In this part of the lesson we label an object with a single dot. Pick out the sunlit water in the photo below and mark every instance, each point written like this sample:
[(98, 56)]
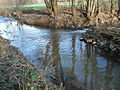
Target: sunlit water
[(77, 65)]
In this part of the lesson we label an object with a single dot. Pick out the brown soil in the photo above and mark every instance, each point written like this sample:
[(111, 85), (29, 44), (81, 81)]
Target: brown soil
[(43, 19)]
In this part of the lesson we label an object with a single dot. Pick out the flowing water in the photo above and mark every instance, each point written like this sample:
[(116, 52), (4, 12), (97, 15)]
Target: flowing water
[(77, 65)]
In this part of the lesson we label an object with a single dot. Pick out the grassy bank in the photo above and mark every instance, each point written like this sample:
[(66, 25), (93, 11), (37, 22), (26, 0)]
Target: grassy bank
[(60, 4), (17, 73)]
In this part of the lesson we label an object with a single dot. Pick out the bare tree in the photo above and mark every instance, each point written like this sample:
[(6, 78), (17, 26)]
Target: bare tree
[(15, 6), (73, 8), (91, 7), (51, 7), (15, 2), (118, 6), (111, 7)]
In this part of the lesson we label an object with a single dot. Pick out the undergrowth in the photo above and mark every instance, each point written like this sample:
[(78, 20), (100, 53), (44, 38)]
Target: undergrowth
[(18, 74)]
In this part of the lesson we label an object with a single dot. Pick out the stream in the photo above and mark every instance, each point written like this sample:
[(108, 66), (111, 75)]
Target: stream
[(75, 64)]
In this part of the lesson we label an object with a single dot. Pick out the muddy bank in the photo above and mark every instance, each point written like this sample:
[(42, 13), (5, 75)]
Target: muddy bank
[(42, 18), (106, 38), (64, 19), (17, 73)]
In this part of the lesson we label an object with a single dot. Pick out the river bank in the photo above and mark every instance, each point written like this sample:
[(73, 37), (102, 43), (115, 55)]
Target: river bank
[(64, 19), (106, 38), (17, 73), (106, 26)]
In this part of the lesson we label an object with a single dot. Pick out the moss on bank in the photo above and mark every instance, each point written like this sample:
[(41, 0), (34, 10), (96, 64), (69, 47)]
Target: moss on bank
[(17, 73)]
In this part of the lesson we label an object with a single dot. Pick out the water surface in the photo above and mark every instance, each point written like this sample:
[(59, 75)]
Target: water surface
[(77, 65)]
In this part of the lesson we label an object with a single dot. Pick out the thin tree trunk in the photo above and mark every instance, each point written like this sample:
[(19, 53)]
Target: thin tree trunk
[(73, 8), (111, 8), (51, 7), (48, 6), (88, 8), (118, 6), (91, 7)]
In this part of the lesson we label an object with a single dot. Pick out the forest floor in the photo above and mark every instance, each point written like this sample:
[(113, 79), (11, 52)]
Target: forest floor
[(17, 73)]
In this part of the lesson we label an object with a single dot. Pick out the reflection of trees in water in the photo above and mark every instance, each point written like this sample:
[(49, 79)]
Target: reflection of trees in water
[(108, 76), (86, 66), (56, 62), (71, 81), (47, 56), (74, 82), (96, 77), (17, 26)]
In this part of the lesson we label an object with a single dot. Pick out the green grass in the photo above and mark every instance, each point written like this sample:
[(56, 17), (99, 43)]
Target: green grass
[(60, 4), (35, 6), (43, 5)]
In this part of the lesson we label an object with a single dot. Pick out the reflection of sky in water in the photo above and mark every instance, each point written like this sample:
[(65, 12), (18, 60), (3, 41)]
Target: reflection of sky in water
[(79, 63), (5, 19)]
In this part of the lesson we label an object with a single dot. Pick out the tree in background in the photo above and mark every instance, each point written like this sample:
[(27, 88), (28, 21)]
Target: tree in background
[(51, 7), (16, 6), (118, 6), (73, 8), (91, 7), (111, 6), (15, 3)]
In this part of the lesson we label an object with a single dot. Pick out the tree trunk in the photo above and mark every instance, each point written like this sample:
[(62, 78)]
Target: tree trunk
[(73, 11), (48, 6), (118, 6), (73, 8), (111, 7), (94, 6), (51, 7), (87, 7), (54, 8), (91, 7)]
